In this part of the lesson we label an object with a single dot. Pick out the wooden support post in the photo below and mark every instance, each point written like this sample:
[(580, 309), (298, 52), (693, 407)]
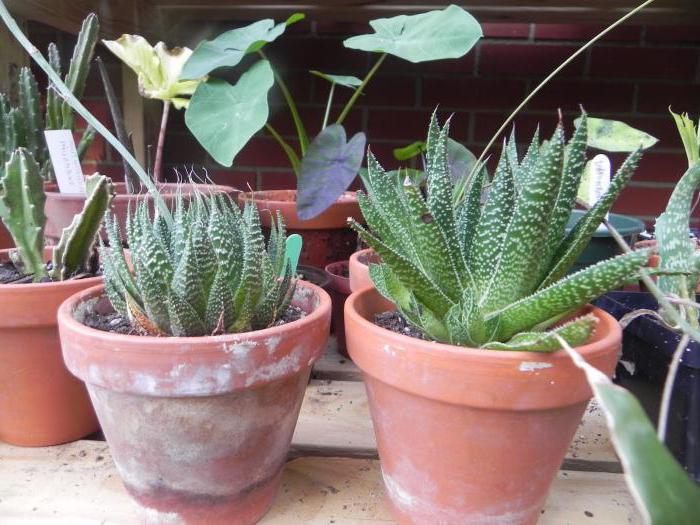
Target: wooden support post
[(12, 58), (133, 113)]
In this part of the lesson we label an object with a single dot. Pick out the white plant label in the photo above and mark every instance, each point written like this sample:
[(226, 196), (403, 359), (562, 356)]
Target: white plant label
[(65, 161), (596, 180)]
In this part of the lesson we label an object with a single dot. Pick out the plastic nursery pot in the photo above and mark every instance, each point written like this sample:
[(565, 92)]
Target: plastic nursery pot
[(359, 268), (469, 435), (41, 403), (199, 427), (327, 237), (339, 290), (61, 207), (602, 246), (647, 350)]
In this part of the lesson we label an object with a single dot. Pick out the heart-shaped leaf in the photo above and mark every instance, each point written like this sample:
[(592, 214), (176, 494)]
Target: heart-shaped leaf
[(223, 117), (328, 168), (615, 136), (342, 80), (435, 35), (229, 48)]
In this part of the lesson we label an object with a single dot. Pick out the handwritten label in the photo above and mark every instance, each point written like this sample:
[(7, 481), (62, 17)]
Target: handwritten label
[(64, 158), (596, 180)]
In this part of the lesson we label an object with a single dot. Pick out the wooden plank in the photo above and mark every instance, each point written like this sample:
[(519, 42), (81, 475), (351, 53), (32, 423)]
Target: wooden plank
[(77, 484), (12, 58), (334, 366), (335, 421)]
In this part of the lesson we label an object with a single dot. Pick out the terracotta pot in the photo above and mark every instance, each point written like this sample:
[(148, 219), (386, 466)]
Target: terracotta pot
[(339, 290), (327, 237), (41, 403), (61, 207), (469, 436), (359, 269), (199, 427)]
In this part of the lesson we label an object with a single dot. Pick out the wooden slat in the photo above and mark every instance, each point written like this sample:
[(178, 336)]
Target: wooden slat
[(335, 421), (77, 484), (334, 366)]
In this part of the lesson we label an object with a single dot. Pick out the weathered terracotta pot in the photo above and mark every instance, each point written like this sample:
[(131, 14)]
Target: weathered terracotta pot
[(41, 403), (469, 436), (359, 269), (327, 237), (339, 290), (198, 427), (61, 207)]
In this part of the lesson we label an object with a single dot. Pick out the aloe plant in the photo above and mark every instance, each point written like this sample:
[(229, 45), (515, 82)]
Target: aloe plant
[(208, 273), (23, 125), (492, 276), (22, 211)]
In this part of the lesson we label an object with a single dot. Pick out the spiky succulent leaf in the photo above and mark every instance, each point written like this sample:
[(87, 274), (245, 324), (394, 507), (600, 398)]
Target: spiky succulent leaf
[(575, 332), (80, 64)]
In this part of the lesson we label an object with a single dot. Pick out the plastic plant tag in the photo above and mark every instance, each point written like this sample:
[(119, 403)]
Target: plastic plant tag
[(596, 180), (293, 250), (64, 158)]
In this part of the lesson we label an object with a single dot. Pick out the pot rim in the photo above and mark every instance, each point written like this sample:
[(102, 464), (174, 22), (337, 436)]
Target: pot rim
[(465, 352), (252, 196), (58, 196), (170, 344)]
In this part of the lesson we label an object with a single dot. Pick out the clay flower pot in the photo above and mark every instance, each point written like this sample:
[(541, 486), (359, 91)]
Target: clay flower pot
[(327, 237), (339, 290), (359, 269), (61, 207), (41, 403), (199, 427), (465, 435)]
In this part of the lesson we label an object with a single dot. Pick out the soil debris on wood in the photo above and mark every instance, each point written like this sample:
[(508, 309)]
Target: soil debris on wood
[(396, 322)]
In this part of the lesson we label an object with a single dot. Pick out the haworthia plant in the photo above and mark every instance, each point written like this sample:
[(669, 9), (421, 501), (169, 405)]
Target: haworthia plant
[(24, 124), (208, 273), (476, 274), (22, 201)]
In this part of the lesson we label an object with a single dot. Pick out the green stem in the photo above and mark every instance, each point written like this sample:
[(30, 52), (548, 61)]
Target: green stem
[(298, 124), (553, 74), (668, 387), (158, 167), (328, 106), (82, 110), (359, 89), (291, 154)]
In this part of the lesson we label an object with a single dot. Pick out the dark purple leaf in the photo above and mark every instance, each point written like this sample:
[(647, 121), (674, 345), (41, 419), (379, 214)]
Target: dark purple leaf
[(330, 165)]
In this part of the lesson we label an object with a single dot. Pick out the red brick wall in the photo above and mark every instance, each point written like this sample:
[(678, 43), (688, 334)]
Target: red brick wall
[(633, 75)]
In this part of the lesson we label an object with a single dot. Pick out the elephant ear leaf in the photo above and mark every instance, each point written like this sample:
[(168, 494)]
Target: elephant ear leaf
[(615, 136), (342, 80), (229, 48), (223, 117), (662, 489), (328, 168), (435, 35)]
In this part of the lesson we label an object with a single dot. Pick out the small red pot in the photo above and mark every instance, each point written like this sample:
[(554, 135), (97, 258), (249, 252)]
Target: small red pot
[(60, 208), (359, 269), (339, 290), (199, 427), (327, 237)]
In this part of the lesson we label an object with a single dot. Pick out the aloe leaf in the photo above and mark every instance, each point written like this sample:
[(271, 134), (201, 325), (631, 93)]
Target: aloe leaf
[(229, 48), (575, 332), (330, 165), (579, 237), (568, 294), (661, 488), (390, 286), (184, 319), (690, 136), (469, 211), (223, 117), (435, 35), (615, 136)]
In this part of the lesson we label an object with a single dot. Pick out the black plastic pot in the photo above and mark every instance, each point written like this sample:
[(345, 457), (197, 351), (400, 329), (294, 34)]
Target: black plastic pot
[(647, 348)]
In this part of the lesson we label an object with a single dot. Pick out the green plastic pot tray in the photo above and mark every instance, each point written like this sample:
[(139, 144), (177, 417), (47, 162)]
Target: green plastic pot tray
[(602, 245)]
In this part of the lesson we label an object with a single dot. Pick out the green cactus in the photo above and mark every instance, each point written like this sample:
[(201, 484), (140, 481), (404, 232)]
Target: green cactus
[(75, 251), (491, 276), (22, 210), (23, 125), (209, 273)]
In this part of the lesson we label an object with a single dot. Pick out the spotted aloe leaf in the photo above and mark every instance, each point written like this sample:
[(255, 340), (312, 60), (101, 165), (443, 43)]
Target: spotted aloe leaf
[(575, 332)]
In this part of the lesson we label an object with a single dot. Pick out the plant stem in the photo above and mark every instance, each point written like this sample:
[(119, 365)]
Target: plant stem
[(668, 387), (298, 124), (328, 106), (291, 154), (553, 74), (358, 91), (83, 111), (161, 141)]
